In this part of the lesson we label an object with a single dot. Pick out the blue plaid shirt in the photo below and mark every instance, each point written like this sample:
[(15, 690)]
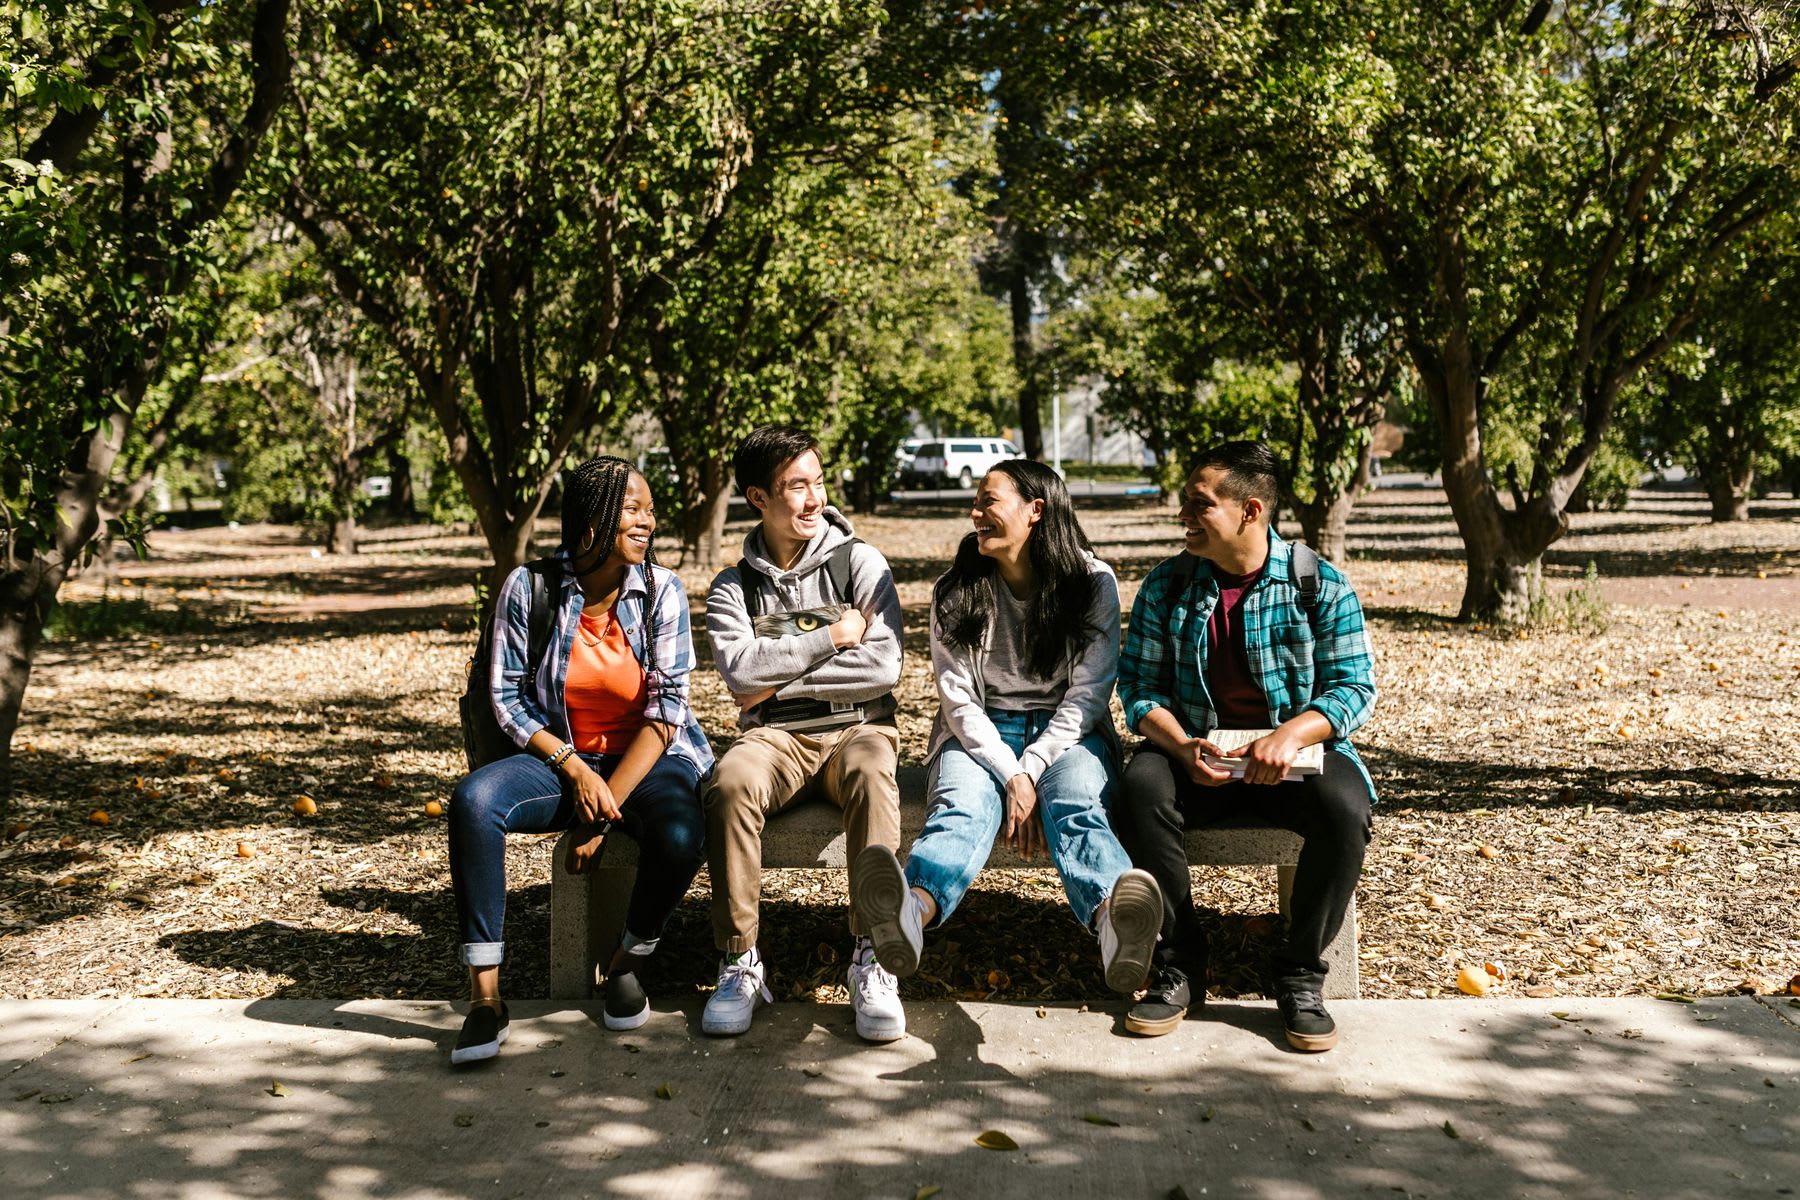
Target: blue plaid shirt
[(1323, 664), (522, 713)]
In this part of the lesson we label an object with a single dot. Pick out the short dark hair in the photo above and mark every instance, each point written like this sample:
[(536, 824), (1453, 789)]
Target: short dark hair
[(1251, 469), (764, 451)]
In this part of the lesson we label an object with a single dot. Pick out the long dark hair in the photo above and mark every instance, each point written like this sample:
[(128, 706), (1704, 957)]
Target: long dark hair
[(593, 499), (1056, 622)]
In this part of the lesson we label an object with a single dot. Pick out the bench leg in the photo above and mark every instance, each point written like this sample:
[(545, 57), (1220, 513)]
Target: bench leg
[(570, 975), (1342, 981)]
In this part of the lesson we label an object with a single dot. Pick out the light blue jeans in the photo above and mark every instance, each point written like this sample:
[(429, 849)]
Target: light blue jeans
[(967, 808)]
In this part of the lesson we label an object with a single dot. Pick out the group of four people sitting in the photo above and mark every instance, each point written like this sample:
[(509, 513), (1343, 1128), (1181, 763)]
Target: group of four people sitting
[(1025, 648)]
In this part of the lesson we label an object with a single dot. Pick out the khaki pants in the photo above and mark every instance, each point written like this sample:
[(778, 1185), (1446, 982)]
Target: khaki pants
[(767, 770)]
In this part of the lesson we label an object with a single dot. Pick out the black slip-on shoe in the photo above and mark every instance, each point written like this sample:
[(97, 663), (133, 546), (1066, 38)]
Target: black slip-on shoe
[(483, 1030), (1309, 1026), (1165, 1005), (626, 1005)]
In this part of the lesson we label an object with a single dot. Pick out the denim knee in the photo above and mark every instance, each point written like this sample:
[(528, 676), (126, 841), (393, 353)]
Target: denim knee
[(475, 802)]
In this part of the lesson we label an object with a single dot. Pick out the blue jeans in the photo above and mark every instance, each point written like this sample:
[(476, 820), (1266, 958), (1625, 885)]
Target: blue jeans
[(521, 795), (967, 808)]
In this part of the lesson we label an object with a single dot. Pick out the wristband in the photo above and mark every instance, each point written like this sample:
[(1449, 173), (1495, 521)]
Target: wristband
[(556, 759)]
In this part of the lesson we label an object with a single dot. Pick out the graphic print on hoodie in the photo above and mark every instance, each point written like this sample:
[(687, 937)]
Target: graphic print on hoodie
[(804, 664)]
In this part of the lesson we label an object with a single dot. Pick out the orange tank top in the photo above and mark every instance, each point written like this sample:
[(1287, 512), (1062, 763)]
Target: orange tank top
[(606, 689)]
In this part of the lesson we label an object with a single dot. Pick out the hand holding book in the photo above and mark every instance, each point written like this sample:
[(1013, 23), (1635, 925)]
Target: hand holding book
[(1256, 755)]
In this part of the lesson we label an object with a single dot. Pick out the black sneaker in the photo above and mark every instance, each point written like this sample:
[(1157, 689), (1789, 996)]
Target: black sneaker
[(1309, 1026), (626, 1005), (1165, 1005), (482, 1032)]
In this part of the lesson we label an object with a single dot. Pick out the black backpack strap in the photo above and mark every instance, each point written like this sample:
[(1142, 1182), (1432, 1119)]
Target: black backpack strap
[(537, 641), (1303, 573), (1180, 580), (750, 579), (838, 567)]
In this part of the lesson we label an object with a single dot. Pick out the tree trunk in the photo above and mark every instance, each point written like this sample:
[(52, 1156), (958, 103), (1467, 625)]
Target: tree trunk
[(1325, 522), (703, 523), (26, 595), (1729, 492), (1024, 349), (341, 532), (28, 587)]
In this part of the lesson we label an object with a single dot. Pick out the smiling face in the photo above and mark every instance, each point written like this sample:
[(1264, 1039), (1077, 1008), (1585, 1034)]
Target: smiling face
[(793, 509), (637, 521), (1003, 519), (1218, 526)]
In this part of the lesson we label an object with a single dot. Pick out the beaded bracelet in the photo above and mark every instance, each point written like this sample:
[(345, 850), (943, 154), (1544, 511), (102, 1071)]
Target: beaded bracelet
[(555, 760)]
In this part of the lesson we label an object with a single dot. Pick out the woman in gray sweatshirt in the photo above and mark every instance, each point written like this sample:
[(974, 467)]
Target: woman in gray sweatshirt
[(1025, 646)]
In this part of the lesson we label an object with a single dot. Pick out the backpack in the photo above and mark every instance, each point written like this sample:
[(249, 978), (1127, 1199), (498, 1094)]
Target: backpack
[(483, 739), (1303, 573), (837, 567)]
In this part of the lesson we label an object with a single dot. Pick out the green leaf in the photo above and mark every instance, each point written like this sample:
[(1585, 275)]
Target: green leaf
[(1450, 1130), (1097, 1119), (993, 1139), (927, 1192), (665, 1091), (276, 1089)]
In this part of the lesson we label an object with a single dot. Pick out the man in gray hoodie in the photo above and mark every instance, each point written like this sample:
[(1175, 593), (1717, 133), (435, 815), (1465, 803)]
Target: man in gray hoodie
[(805, 630)]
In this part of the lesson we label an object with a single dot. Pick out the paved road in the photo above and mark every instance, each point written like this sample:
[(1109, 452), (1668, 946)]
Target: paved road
[(1493, 1098)]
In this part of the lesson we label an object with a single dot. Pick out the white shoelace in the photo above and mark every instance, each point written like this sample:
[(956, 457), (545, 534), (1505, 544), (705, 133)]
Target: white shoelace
[(742, 977), (874, 979)]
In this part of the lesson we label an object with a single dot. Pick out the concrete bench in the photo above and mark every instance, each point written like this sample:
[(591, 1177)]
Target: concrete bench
[(588, 911)]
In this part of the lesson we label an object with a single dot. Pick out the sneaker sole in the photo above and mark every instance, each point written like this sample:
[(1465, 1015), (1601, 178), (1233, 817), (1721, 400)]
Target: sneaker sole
[(877, 892), (1156, 1028), (469, 1054), (1312, 1043), (1136, 916), (715, 1029), (623, 1023), (880, 1034)]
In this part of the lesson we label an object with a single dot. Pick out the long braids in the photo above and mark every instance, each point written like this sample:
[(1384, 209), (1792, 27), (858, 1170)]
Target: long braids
[(593, 498)]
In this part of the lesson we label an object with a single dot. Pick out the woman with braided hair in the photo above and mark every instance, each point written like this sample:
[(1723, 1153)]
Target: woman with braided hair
[(606, 740)]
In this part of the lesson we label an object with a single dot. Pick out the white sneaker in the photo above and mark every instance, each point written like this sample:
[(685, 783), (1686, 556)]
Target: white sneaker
[(1128, 930), (887, 909), (740, 987), (875, 999)]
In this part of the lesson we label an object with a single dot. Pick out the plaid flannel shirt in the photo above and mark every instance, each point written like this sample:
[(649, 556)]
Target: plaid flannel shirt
[(1323, 663), (523, 712)]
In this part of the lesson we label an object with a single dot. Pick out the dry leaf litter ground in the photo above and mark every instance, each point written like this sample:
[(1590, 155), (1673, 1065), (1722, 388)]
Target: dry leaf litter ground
[(1606, 813)]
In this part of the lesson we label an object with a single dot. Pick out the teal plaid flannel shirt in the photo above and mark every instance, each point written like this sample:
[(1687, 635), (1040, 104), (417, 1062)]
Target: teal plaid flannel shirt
[(1323, 664)]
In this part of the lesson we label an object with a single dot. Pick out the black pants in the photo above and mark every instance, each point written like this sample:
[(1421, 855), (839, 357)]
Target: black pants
[(1158, 804)]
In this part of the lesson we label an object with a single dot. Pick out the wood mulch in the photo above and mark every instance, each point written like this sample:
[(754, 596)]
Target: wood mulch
[(1599, 813)]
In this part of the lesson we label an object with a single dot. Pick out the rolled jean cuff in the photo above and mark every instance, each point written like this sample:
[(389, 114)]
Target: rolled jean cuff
[(483, 954)]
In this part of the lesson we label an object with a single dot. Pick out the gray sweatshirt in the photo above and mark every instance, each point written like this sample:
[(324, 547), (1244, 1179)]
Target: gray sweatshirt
[(967, 688), (806, 665)]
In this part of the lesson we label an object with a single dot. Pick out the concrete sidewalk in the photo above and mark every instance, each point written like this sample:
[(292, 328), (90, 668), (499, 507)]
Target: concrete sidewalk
[(291, 1098)]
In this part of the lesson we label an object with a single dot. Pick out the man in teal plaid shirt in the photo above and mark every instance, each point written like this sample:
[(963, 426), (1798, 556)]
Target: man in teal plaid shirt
[(1223, 637)]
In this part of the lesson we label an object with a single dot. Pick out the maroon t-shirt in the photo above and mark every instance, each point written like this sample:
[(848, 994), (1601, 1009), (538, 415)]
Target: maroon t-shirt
[(1239, 701)]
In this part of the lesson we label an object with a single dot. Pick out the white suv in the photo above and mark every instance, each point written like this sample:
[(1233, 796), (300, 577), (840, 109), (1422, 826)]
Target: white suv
[(959, 460)]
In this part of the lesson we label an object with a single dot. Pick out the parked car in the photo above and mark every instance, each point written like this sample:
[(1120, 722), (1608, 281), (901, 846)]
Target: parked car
[(958, 460)]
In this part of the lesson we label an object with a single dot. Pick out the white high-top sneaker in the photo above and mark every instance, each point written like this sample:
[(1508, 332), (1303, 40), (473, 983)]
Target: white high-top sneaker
[(874, 997), (741, 986), (1128, 930)]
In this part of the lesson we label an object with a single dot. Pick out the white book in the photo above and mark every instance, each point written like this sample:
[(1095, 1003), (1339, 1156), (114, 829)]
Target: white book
[(1311, 760)]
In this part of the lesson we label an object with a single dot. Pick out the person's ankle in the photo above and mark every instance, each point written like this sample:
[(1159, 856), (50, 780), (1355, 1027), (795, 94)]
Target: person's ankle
[(492, 1002), (926, 905)]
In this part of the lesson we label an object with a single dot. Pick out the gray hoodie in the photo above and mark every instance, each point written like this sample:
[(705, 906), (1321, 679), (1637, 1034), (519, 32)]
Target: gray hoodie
[(806, 665)]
